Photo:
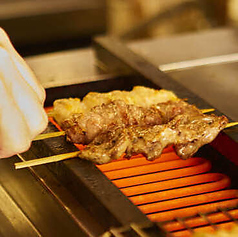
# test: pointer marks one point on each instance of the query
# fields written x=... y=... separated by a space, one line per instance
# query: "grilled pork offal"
x=186 y=132
x=84 y=127
x=117 y=128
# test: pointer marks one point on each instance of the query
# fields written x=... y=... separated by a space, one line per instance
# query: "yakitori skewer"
x=62 y=133
x=65 y=156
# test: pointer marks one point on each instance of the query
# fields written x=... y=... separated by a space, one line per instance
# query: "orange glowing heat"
x=175 y=192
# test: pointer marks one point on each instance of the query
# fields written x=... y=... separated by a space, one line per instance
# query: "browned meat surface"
x=83 y=128
x=187 y=132
x=117 y=128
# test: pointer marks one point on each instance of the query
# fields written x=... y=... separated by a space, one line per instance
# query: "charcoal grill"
x=166 y=197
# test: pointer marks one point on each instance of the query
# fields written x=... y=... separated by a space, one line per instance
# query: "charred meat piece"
x=83 y=128
x=107 y=146
x=186 y=132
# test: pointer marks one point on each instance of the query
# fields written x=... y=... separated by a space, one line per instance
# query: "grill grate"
x=182 y=195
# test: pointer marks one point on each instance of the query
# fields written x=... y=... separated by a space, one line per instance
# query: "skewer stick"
x=62 y=133
x=231 y=124
x=65 y=156
x=49 y=135
x=204 y=111
x=46 y=160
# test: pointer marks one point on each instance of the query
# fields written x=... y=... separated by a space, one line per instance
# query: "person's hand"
x=22 y=116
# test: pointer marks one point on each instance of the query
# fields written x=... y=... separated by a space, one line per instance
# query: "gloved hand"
x=22 y=116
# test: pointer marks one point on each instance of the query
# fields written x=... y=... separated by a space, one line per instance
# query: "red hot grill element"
x=221 y=218
x=181 y=194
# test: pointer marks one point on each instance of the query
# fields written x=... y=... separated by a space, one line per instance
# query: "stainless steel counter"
x=206 y=63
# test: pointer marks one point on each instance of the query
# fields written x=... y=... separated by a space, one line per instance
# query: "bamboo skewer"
x=62 y=133
x=204 y=111
x=49 y=135
x=55 y=158
x=231 y=124
x=46 y=160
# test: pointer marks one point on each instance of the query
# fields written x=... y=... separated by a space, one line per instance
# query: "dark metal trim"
x=101 y=200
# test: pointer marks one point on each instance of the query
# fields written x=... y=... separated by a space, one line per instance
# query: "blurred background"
x=41 y=26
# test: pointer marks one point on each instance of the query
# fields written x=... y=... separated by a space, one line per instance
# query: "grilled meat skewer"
x=84 y=127
x=186 y=132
